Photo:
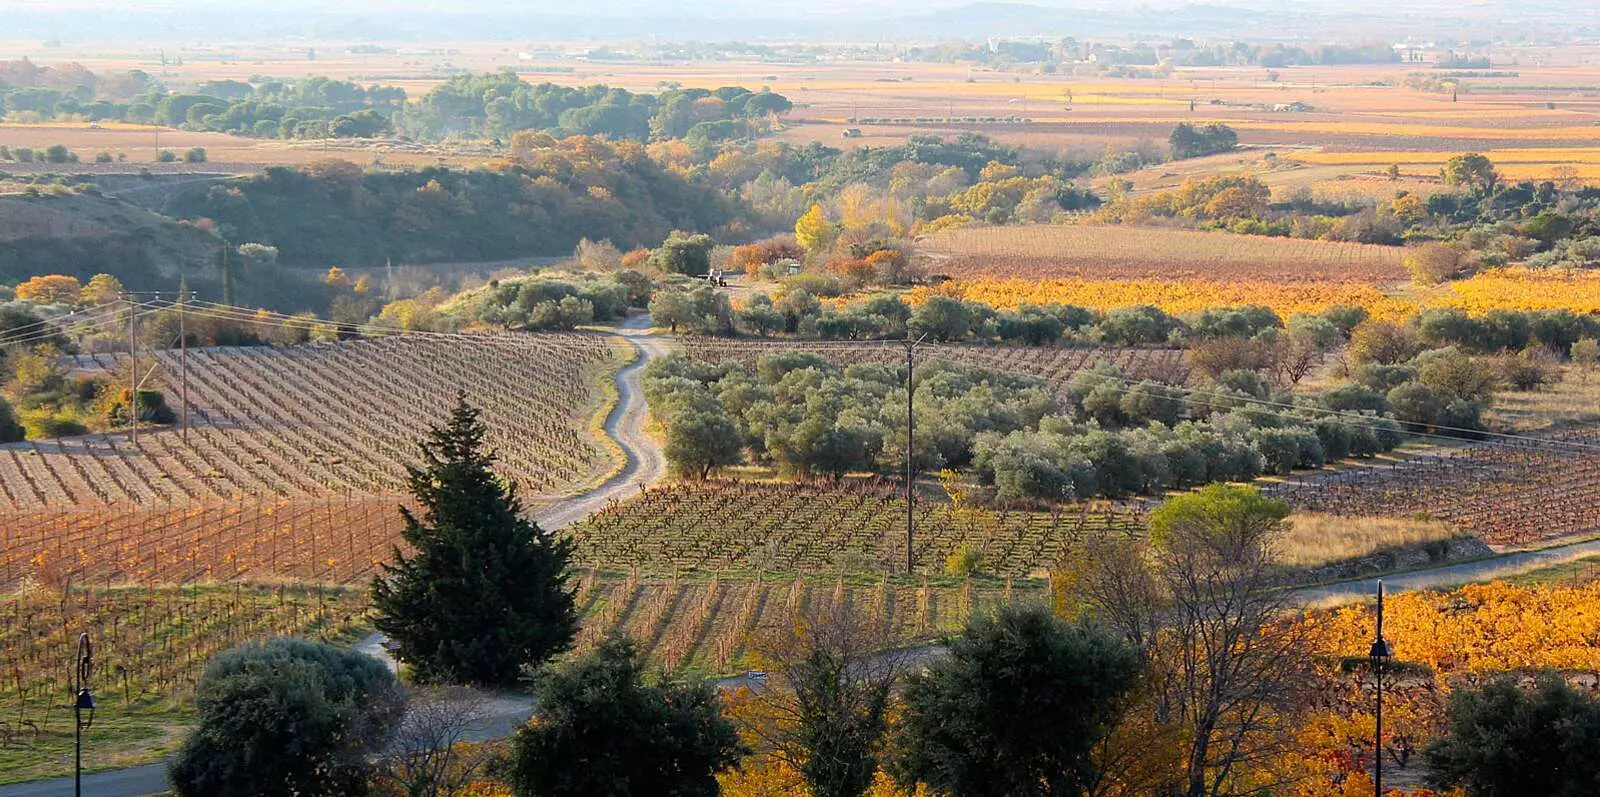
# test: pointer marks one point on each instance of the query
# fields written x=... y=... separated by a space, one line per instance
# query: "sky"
x=759 y=19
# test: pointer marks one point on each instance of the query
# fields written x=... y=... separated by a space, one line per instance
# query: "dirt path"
x=645 y=463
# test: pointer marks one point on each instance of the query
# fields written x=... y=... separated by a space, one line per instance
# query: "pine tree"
x=485 y=591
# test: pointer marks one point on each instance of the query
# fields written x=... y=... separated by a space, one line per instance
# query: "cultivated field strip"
x=710 y=624
x=321 y=420
x=149 y=643
x=340 y=539
x=1055 y=365
x=730 y=525
x=1127 y=252
x=1505 y=493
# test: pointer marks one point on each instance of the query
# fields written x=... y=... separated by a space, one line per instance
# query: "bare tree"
x=1225 y=667
x=431 y=756
x=824 y=708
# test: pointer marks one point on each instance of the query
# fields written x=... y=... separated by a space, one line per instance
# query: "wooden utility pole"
x=911 y=474
x=183 y=357
x=133 y=367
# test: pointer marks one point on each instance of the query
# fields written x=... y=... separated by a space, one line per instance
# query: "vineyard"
x=1096 y=252
x=787 y=527
x=294 y=462
x=1505 y=493
x=283 y=421
x=150 y=645
x=286 y=421
x=1056 y=366
x=327 y=540
x=1173 y=296
x=708 y=624
x=1527 y=289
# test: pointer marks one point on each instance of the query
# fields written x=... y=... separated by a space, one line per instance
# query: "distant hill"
x=82 y=234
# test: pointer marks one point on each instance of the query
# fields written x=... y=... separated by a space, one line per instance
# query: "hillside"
x=84 y=233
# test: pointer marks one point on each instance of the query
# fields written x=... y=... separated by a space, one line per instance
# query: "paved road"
x=1483 y=570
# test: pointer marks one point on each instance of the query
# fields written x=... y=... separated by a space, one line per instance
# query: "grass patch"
x=1577 y=571
x=1314 y=540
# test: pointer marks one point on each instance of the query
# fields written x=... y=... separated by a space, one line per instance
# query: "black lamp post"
x=84 y=702
x=1380 y=654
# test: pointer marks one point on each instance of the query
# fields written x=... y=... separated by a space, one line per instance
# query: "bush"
x=602 y=730
x=195 y=155
x=1021 y=701
x=166 y=156
x=287 y=717
x=1530 y=369
x=1503 y=739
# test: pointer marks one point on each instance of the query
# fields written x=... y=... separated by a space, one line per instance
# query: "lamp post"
x=84 y=701
x=1380 y=654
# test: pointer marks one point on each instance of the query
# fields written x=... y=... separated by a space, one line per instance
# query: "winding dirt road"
x=644 y=461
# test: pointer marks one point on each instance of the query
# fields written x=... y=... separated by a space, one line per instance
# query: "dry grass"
x=1574 y=400
x=1314 y=540
x=138 y=144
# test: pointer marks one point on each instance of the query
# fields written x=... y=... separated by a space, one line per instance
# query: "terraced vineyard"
x=787 y=527
x=1505 y=493
x=1055 y=365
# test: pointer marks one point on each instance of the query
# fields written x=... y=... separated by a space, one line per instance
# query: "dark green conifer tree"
x=484 y=591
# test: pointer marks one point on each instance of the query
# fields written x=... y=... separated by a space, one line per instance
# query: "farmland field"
x=291 y=450
x=1505 y=493
x=1363 y=117
x=150 y=645
x=1125 y=253
x=138 y=144
x=1173 y=297
x=800 y=527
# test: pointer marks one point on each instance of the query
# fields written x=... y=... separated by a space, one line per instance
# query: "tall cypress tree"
x=485 y=590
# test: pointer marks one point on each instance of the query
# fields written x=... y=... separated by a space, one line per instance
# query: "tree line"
x=1105 y=435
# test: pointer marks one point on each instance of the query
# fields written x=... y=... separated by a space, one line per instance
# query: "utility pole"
x=133 y=367
x=911 y=498
x=183 y=357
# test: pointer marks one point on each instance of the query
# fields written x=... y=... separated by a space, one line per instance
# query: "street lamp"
x=1380 y=654
x=84 y=702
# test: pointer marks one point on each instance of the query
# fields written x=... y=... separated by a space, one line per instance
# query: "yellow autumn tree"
x=813 y=231
x=50 y=289
x=102 y=288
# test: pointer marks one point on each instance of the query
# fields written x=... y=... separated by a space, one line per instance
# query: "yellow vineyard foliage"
x=1497 y=289
x=1171 y=296
x=1527 y=289
x=1478 y=629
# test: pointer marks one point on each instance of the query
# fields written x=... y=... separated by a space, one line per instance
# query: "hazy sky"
x=188 y=20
